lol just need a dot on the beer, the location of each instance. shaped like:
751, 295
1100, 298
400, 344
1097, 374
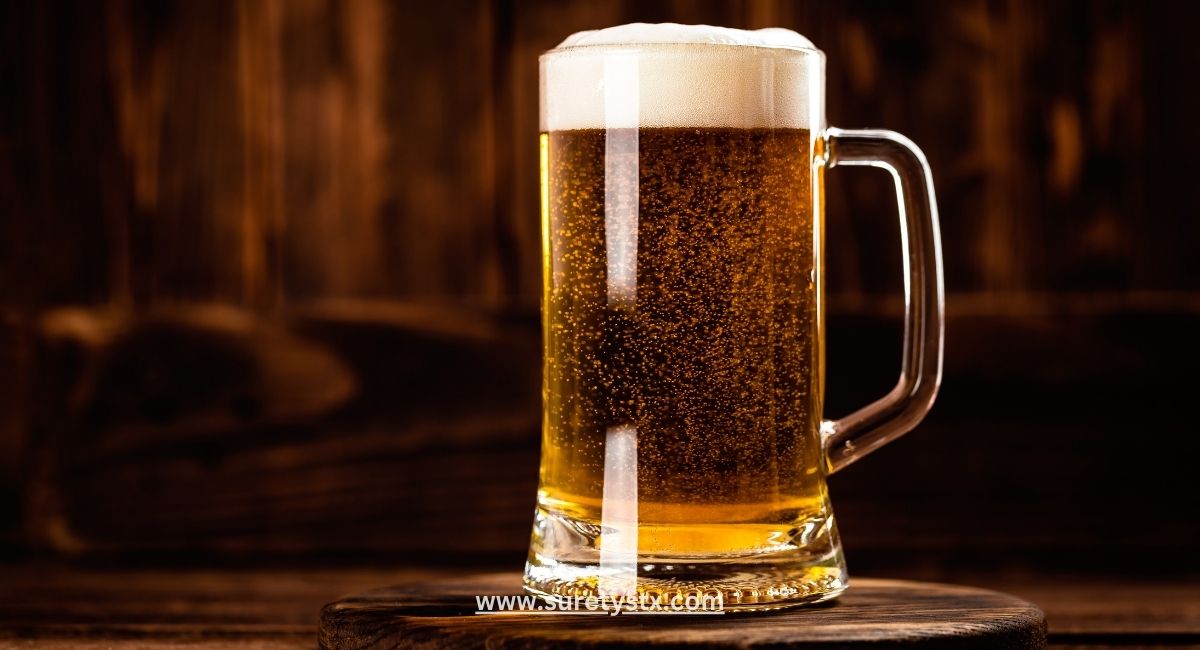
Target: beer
715, 364
682, 335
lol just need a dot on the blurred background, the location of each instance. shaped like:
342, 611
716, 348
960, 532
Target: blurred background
269, 277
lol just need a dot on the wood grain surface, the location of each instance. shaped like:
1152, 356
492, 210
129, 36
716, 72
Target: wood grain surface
51, 606
872, 613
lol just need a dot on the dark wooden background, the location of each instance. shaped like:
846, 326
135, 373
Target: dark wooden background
269, 274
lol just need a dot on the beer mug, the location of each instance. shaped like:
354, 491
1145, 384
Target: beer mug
682, 196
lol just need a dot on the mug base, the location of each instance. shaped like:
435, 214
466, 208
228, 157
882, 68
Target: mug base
688, 588
567, 568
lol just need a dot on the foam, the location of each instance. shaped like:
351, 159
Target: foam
670, 75
673, 33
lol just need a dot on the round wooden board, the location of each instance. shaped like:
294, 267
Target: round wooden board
870, 614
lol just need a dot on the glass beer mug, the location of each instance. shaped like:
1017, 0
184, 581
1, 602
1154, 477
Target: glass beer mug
684, 450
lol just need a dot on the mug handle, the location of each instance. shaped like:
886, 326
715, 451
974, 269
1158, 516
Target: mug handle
858, 434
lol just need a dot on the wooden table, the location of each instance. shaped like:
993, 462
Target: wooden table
57, 606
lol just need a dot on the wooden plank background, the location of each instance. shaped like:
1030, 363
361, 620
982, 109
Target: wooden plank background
269, 271
263, 153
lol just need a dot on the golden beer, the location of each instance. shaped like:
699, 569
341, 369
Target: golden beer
715, 364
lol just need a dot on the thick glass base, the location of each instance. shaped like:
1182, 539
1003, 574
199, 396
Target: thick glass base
565, 562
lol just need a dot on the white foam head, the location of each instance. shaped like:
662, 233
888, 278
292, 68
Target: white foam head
670, 75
